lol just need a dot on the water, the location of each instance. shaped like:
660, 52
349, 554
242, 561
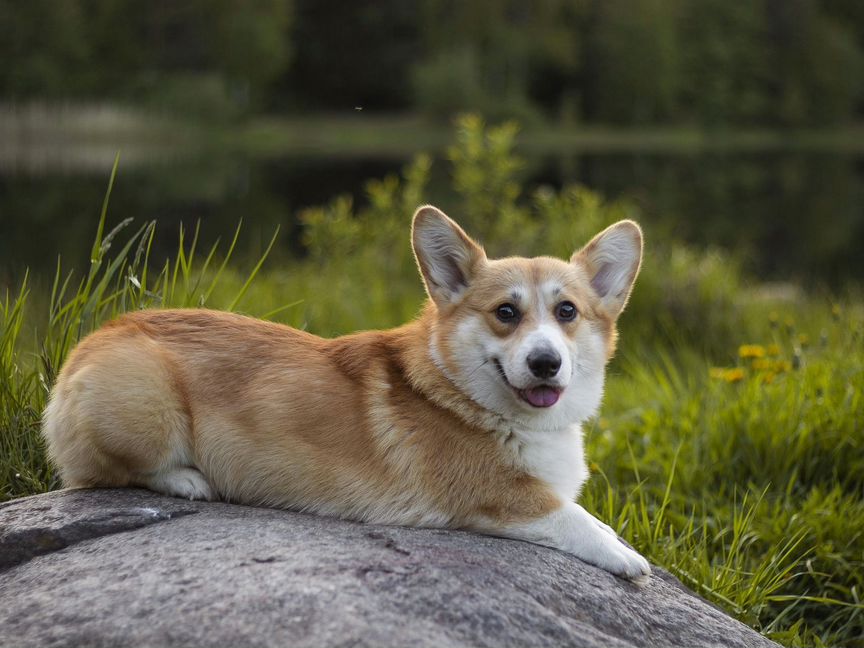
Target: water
792, 216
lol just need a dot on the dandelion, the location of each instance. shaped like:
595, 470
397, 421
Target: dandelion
729, 375
751, 351
804, 340
790, 326
772, 350
772, 367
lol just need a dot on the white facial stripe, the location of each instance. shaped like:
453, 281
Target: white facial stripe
551, 290
546, 337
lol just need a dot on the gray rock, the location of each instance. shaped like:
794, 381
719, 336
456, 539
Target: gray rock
132, 568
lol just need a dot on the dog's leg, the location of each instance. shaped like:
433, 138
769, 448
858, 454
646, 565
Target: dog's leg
119, 419
572, 529
605, 527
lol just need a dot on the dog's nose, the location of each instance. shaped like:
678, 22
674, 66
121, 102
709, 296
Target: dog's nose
544, 364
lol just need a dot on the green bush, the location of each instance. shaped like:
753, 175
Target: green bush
684, 296
452, 81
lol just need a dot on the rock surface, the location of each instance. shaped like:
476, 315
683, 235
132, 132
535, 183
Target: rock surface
132, 568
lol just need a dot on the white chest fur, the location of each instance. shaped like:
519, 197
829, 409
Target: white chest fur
555, 457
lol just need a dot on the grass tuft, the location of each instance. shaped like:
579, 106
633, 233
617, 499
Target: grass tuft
115, 283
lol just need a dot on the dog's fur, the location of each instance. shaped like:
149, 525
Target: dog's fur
430, 424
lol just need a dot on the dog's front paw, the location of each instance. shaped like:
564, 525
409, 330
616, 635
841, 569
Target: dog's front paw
599, 545
626, 563
576, 531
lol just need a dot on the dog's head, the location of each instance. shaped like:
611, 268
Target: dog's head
526, 338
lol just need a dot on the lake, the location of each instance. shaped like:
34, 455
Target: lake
791, 214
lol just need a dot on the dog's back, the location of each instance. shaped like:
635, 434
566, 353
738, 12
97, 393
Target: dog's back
204, 404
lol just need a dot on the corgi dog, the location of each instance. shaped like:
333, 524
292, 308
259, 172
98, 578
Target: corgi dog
468, 417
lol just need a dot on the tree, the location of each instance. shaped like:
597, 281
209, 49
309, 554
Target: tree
817, 64
633, 73
43, 47
725, 57
249, 43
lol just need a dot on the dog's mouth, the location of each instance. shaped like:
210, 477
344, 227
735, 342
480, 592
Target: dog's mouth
537, 396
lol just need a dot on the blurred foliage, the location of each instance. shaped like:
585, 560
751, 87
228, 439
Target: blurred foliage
679, 288
350, 55
206, 57
634, 76
793, 63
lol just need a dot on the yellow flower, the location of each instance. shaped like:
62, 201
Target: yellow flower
773, 366
730, 375
804, 340
734, 375
773, 350
751, 351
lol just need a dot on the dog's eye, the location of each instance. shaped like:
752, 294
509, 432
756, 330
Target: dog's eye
507, 313
566, 311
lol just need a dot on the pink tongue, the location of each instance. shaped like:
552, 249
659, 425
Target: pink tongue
541, 396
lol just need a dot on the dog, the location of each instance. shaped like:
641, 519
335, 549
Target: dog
468, 417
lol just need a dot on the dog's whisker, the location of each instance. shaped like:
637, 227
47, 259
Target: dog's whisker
478, 367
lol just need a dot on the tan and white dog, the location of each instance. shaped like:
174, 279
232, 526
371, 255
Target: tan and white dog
468, 417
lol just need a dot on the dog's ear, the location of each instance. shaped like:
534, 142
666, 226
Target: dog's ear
612, 260
446, 255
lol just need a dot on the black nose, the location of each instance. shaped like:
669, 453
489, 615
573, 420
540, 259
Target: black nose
544, 364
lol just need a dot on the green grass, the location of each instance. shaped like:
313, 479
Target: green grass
742, 475
749, 491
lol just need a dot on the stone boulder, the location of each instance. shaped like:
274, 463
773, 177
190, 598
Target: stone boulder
132, 568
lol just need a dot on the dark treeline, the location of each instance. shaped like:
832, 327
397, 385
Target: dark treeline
788, 63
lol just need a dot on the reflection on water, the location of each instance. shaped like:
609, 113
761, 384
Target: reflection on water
42, 139
793, 215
